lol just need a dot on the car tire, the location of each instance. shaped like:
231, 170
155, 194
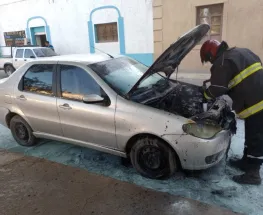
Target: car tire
22, 132
9, 70
153, 158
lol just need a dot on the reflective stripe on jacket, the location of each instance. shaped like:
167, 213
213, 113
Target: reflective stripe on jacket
238, 72
244, 74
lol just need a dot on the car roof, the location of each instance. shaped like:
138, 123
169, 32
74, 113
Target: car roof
77, 58
31, 47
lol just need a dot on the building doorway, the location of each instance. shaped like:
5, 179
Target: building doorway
40, 39
38, 36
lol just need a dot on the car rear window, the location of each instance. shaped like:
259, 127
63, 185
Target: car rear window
38, 79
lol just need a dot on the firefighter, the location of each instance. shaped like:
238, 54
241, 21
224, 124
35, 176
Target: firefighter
238, 72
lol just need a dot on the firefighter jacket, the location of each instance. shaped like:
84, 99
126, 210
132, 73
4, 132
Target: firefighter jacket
238, 73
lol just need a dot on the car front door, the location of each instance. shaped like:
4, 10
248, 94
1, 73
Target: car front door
19, 58
92, 123
29, 55
35, 98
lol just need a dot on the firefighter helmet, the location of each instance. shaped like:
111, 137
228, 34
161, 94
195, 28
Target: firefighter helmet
209, 50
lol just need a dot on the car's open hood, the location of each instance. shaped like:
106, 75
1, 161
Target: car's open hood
173, 55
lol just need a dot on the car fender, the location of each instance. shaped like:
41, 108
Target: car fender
9, 64
132, 119
3, 114
17, 111
176, 144
168, 139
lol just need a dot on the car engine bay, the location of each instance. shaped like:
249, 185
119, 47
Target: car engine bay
187, 100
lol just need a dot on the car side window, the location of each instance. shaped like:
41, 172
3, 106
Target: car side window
76, 82
29, 53
38, 79
19, 53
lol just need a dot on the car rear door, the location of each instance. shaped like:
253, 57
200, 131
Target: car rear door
19, 58
92, 123
35, 98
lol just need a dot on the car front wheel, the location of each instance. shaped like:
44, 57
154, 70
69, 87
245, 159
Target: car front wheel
22, 132
9, 69
152, 158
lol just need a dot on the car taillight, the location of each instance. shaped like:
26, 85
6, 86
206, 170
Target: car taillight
202, 130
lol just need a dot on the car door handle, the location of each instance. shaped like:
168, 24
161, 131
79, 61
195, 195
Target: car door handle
65, 107
25, 59
21, 97
15, 59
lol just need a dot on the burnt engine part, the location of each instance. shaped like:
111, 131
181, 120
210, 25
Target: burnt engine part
220, 113
187, 100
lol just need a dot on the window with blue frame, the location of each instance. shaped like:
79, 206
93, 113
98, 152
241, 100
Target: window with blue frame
106, 32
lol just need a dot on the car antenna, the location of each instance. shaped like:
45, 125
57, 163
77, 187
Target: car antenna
103, 52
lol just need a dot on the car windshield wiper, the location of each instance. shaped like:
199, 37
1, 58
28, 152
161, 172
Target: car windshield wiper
140, 90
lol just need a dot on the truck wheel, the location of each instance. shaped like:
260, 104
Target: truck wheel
9, 69
152, 158
22, 132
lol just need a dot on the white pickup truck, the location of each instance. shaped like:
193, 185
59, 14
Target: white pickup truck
18, 56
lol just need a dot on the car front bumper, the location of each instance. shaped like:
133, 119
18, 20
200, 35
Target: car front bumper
196, 154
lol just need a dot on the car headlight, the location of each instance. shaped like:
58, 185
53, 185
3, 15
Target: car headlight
202, 130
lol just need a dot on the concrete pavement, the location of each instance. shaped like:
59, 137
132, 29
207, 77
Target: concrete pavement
37, 186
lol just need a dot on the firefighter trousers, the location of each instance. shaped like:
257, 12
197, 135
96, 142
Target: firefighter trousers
253, 150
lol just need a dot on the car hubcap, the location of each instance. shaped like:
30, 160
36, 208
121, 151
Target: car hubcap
151, 158
21, 132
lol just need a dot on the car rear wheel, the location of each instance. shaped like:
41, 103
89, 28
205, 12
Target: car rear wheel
9, 69
22, 132
152, 158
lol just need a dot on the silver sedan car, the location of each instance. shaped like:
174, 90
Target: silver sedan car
119, 106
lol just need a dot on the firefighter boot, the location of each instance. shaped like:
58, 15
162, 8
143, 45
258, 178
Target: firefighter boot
238, 163
251, 176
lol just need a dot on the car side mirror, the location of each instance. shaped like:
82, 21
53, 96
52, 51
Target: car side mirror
92, 99
32, 57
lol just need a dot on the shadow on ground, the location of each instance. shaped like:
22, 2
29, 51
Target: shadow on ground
213, 186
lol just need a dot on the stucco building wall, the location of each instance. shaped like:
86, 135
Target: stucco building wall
66, 24
242, 25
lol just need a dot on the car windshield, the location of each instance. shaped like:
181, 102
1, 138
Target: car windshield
123, 73
44, 52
